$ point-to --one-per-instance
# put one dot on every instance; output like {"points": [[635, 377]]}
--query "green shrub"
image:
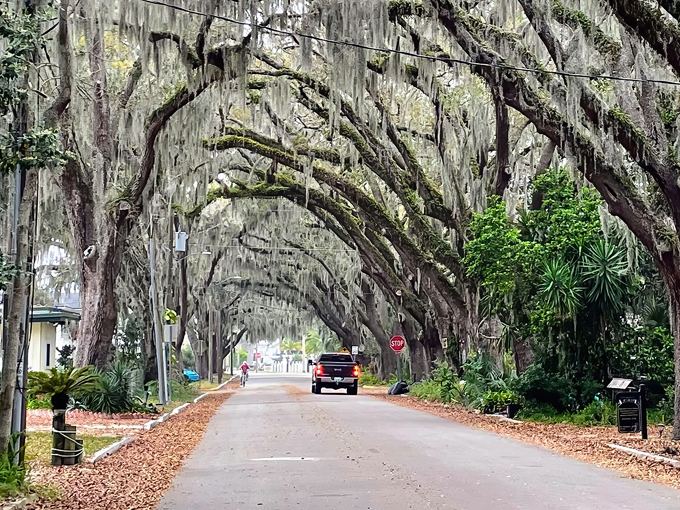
{"points": [[179, 392], [538, 388], [427, 390], [368, 379], [447, 380], [12, 476], [113, 393], [495, 401], [598, 413], [38, 403]]}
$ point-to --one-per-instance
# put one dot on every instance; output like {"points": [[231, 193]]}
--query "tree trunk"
{"points": [[415, 349], [675, 328], [523, 354], [388, 359], [432, 348], [19, 293], [98, 317]]}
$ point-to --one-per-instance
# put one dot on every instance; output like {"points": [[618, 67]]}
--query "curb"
{"points": [[504, 418], [179, 409], [104, 452], [646, 456], [150, 425]]}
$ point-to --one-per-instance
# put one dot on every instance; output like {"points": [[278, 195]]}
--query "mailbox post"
{"points": [[631, 409]]}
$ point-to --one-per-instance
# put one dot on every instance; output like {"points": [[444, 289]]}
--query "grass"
{"points": [[39, 444], [204, 386], [597, 414]]}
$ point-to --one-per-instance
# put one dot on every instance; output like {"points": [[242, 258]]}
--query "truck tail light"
{"points": [[319, 370], [356, 371]]}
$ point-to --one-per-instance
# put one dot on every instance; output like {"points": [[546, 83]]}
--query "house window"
{"points": [[47, 359]]}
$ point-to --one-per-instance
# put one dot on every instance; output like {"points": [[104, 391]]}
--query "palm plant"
{"points": [[313, 344], [291, 346], [604, 268], [59, 383], [559, 288]]}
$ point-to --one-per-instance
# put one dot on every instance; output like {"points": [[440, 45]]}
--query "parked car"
{"points": [[192, 375], [335, 370]]}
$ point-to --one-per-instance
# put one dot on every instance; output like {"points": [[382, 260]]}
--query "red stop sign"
{"points": [[397, 343]]}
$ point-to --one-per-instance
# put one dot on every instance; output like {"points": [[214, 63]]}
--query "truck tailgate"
{"points": [[337, 369]]}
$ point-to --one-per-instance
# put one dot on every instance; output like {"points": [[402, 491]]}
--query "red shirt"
{"points": [[245, 367]]}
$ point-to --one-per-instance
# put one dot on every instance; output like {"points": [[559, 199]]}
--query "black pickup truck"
{"points": [[335, 370]]}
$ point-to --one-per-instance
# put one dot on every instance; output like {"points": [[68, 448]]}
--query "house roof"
{"points": [[53, 314]]}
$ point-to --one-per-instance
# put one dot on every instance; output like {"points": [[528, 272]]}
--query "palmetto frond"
{"points": [[68, 380]]}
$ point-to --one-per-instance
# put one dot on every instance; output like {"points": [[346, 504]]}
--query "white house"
{"points": [[47, 333]]}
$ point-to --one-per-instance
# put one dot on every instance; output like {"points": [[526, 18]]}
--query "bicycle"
{"points": [[244, 378]]}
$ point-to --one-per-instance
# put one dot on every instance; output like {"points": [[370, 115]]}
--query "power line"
{"points": [[433, 58]]}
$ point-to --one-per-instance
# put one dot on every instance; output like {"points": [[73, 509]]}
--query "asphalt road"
{"points": [[273, 448]]}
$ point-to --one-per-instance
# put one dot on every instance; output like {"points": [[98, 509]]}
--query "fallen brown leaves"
{"points": [[586, 444], [137, 476]]}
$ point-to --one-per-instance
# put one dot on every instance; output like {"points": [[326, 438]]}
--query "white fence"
{"points": [[284, 366]]}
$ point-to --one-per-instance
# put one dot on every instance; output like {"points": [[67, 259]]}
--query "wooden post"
{"points": [[69, 445], [58, 425]]}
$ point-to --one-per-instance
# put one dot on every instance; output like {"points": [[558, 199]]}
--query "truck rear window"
{"points": [[337, 358]]}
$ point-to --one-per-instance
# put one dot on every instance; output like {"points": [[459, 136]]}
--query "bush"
{"points": [[538, 388], [427, 390], [12, 476], [598, 413], [65, 358], [179, 392], [495, 401], [38, 403], [368, 379], [447, 381], [113, 393]]}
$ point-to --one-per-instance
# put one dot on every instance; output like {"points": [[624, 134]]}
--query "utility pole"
{"points": [[211, 345], [160, 349]]}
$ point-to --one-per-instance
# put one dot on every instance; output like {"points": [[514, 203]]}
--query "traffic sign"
{"points": [[258, 355], [355, 349], [344, 350], [397, 343]]}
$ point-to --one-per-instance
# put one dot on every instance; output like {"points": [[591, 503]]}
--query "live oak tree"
{"points": [[113, 116]]}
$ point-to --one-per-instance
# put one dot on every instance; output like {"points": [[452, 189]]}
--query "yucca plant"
{"points": [[113, 392], [559, 288], [59, 383], [605, 270]]}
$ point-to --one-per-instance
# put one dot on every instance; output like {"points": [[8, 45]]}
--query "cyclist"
{"points": [[244, 373]]}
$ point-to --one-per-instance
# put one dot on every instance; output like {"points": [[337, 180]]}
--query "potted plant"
{"points": [[59, 383]]}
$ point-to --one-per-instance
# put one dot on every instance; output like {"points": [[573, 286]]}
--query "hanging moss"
{"points": [[605, 44]]}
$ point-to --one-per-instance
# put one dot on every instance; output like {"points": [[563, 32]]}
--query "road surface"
{"points": [[274, 445]]}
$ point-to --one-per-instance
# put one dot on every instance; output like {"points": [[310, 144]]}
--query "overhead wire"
{"points": [[435, 58]]}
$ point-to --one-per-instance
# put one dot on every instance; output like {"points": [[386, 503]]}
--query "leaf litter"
{"points": [[587, 444], [136, 476]]}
